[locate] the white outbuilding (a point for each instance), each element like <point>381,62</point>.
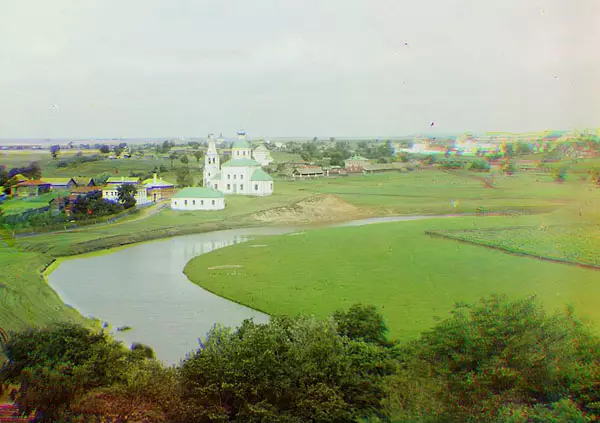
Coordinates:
<point>198,199</point>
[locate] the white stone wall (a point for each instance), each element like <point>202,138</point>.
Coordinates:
<point>197,203</point>
<point>236,180</point>
<point>264,188</point>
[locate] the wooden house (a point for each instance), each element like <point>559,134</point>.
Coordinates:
<point>31,188</point>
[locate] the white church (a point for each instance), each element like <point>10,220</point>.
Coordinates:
<point>241,175</point>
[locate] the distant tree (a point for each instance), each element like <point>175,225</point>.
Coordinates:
<point>523,148</point>
<point>122,145</point>
<point>198,155</point>
<point>509,167</point>
<point>183,176</point>
<point>194,144</point>
<point>118,150</point>
<point>479,165</point>
<point>559,174</point>
<point>3,176</point>
<point>126,193</point>
<point>184,159</point>
<point>173,157</point>
<point>54,150</point>
<point>163,169</point>
<point>104,149</point>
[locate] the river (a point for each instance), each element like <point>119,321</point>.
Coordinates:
<point>144,287</point>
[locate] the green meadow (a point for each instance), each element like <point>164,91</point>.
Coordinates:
<point>414,279</point>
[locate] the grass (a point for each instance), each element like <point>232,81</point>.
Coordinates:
<point>25,297</point>
<point>19,205</point>
<point>425,192</point>
<point>412,278</point>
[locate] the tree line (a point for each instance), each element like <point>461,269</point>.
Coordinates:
<point>493,361</point>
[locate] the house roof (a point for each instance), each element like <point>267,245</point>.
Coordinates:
<point>384,166</point>
<point>58,181</point>
<point>308,170</point>
<point>19,177</point>
<point>241,163</point>
<point>198,192</point>
<point>82,180</point>
<point>120,180</point>
<point>85,189</point>
<point>159,183</point>
<point>260,175</point>
<point>360,158</point>
<point>32,183</point>
<point>240,144</point>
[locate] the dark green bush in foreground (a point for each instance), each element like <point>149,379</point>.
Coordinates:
<point>497,361</point>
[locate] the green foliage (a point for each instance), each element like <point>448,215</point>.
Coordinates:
<point>184,159</point>
<point>93,206</point>
<point>126,194</point>
<point>289,370</point>
<point>53,367</point>
<point>559,174</point>
<point>479,165</point>
<point>198,155</point>
<point>500,352</point>
<point>183,177</point>
<point>54,150</point>
<point>104,149</point>
<point>363,323</point>
<point>563,411</point>
<point>508,167</point>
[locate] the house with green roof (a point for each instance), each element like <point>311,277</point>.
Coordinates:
<point>158,189</point>
<point>61,183</point>
<point>242,175</point>
<point>198,198</point>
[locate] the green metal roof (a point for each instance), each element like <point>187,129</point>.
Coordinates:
<point>240,144</point>
<point>118,180</point>
<point>58,181</point>
<point>198,192</point>
<point>159,183</point>
<point>241,162</point>
<point>260,175</point>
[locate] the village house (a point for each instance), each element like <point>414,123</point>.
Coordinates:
<point>82,181</point>
<point>61,183</point>
<point>158,189</point>
<point>32,188</point>
<point>356,163</point>
<point>384,167</point>
<point>240,175</point>
<point>110,191</point>
<point>307,172</point>
<point>198,198</point>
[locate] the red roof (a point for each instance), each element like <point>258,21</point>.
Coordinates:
<point>32,183</point>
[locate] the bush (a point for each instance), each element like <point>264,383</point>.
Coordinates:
<point>479,165</point>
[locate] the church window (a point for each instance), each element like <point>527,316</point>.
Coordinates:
<point>228,176</point>
<point>185,202</point>
<point>234,176</point>
<point>255,187</point>
<point>213,202</point>
<point>216,186</point>
<point>193,202</point>
<point>201,202</point>
<point>271,186</point>
<point>228,187</point>
<point>238,153</point>
<point>242,176</point>
<point>175,202</point>
<point>241,187</point>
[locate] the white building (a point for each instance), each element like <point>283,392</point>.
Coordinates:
<point>198,199</point>
<point>262,155</point>
<point>241,175</point>
<point>110,193</point>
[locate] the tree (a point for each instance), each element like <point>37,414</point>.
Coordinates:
<point>362,322</point>
<point>126,193</point>
<point>173,157</point>
<point>523,148</point>
<point>499,353</point>
<point>288,370</point>
<point>198,155</point>
<point>53,367</point>
<point>104,149</point>
<point>559,174</point>
<point>509,167</point>
<point>54,150</point>
<point>183,177</point>
<point>118,150</point>
<point>184,159</point>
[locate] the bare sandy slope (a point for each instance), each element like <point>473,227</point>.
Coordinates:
<point>319,208</point>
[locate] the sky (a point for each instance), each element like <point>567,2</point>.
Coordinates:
<point>284,68</point>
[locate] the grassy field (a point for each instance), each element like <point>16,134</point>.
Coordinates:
<point>412,278</point>
<point>19,205</point>
<point>25,297</point>
<point>424,192</point>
